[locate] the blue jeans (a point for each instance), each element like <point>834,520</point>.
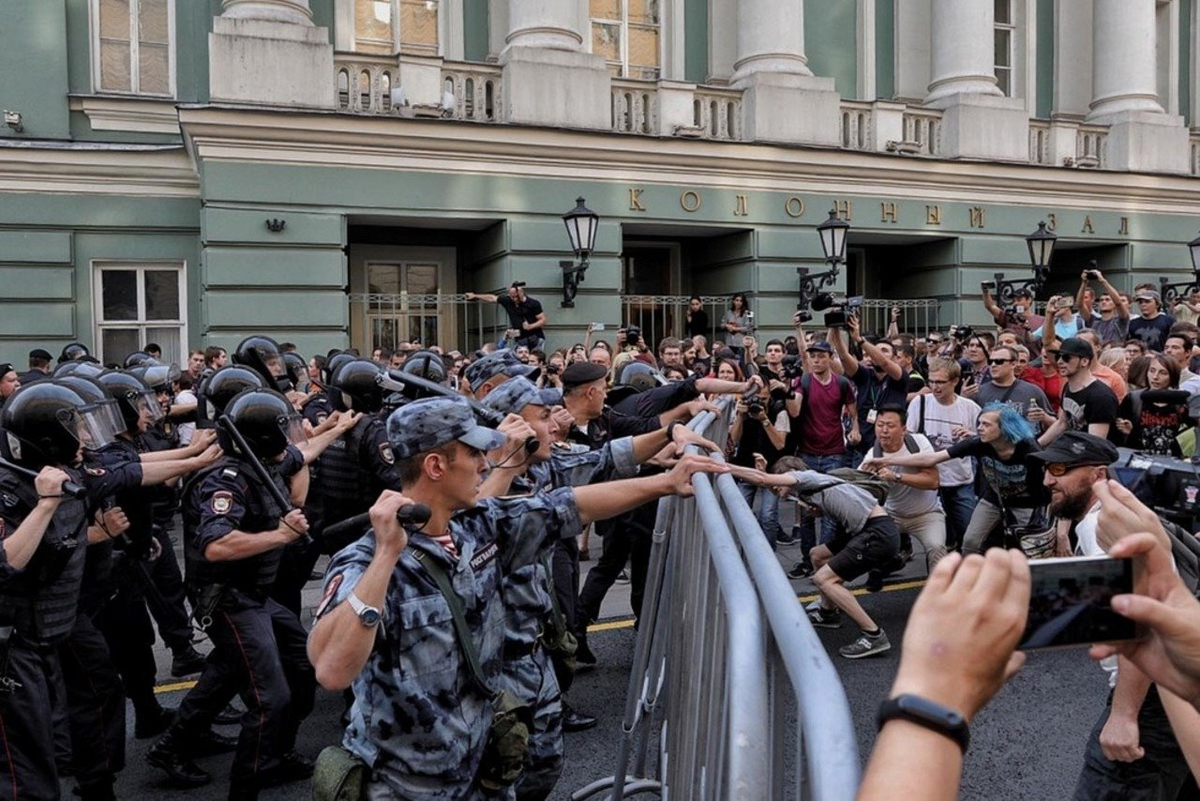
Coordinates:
<point>768,512</point>
<point>958,503</point>
<point>808,532</point>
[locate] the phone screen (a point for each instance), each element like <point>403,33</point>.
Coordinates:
<point>1071,602</point>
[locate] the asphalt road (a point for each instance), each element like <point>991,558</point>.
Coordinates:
<point>1027,744</point>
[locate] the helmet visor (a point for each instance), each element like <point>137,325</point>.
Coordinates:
<point>96,424</point>
<point>293,426</point>
<point>147,404</point>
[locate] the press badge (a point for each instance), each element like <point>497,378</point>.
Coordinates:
<point>871,417</point>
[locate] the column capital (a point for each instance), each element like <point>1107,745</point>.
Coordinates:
<point>296,12</point>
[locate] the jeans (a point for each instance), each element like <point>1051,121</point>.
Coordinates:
<point>768,511</point>
<point>958,503</point>
<point>808,537</point>
<point>986,527</point>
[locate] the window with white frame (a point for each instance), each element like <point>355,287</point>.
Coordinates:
<point>136,304</point>
<point>1005,37</point>
<point>133,46</point>
<point>627,34</point>
<point>386,27</point>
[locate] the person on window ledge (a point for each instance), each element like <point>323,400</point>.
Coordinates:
<point>526,319</point>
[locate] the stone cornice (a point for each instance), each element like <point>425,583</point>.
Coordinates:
<point>136,114</point>
<point>249,134</point>
<point>55,168</point>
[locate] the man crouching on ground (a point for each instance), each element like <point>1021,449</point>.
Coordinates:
<point>867,539</point>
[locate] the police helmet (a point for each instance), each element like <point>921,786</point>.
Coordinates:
<point>139,358</point>
<point>87,369</point>
<point>356,387</point>
<point>223,386</point>
<point>73,352</point>
<point>133,397</point>
<point>640,376</point>
<point>266,421</point>
<point>262,355</point>
<point>296,367</point>
<point>425,364</point>
<point>42,425</point>
<point>334,362</point>
<point>100,413</point>
<point>159,377</point>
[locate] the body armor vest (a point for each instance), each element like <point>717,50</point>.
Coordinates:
<point>41,601</point>
<point>342,478</point>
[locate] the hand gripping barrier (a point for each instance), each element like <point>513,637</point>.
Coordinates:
<point>722,658</point>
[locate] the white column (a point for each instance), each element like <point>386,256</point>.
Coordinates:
<point>963,58</point>
<point>770,38</point>
<point>1124,72</point>
<point>550,24</point>
<point>294,11</point>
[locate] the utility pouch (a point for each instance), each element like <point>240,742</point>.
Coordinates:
<point>339,776</point>
<point>7,684</point>
<point>508,735</point>
<point>207,599</point>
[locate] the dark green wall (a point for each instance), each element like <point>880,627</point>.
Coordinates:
<point>831,42</point>
<point>1045,59</point>
<point>695,34</point>
<point>885,50</point>
<point>33,67</point>
<point>1185,62</point>
<point>475,30</point>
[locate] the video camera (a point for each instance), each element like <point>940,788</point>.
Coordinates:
<point>837,308</point>
<point>1169,486</point>
<point>962,332</point>
<point>792,366</point>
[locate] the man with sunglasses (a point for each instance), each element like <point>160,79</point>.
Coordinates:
<point>1006,388</point>
<point>1087,404</point>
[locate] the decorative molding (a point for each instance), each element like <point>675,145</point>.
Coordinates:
<point>98,170</point>
<point>140,115</point>
<point>257,136</point>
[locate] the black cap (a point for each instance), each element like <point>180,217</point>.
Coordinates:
<point>39,353</point>
<point>6,368</point>
<point>581,373</point>
<point>1078,448</point>
<point>1074,346</point>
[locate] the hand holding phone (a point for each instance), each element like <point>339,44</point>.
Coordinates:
<point>1071,602</point>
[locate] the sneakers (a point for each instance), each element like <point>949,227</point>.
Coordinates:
<point>789,538</point>
<point>800,570</point>
<point>623,577</point>
<point>825,618</point>
<point>866,645</point>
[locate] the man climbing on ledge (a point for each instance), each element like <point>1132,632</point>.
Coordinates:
<point>867,540</point>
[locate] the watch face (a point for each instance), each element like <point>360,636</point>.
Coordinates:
<point>369,617</point>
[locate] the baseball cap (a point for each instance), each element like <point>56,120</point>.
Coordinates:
<point>1074,346</point>
<point>1148,294</point>
<point>501,362</point>
<point>1078,448</point>
<point>820,346</point>
<point>429,423</point>
<point>580,373</point>
<point>513,396</point>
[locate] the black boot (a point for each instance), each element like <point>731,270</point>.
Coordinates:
<point>152,722</point>
<point>210,742</point>
<point>168,755</point>
<point>293,767</point>
<point>187,662</point>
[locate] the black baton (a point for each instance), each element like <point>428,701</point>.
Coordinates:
<point>68,487</point>
<point>260,472</point>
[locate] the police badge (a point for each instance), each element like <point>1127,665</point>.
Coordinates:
<point>222,502</point>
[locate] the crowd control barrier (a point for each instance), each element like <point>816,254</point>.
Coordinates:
<point>731,695</point>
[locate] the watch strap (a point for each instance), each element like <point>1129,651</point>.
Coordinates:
<point>928,714</point>
<point>359,606</point>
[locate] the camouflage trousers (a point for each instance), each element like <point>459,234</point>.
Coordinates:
<point>531,679</point>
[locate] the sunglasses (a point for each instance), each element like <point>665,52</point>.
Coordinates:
<point>1058,469</point>
<point>1063,357</point>
<point>998,361</point>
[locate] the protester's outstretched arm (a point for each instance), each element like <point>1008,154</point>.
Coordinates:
<point>958,652</point>
<point>990,304</point>
<point>890,365</point>
<point>849,363</point>
<point>481,296</point>
<point>1170,653</point>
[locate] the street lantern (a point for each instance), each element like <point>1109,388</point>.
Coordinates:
<point>833,238</point>
<point>582,224</point>
<point>1170,293</point>
<point>1041,247</point>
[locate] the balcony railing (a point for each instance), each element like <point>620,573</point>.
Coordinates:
<point>717,113</point>
<point>856,125</point>
<point>364,83</point>
<point>475,89</point>
<point>923,127</point>
<point>1091,146</point>
<point>634,106</point>
<point>1039,142</point>
<point>1195,151</point>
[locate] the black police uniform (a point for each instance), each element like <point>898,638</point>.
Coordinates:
<point>259,642</point>
<point>346,479</point>
<point>39,604</point>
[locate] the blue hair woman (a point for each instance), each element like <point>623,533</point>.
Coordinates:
<point>1013,489</point>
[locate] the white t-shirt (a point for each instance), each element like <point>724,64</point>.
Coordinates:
<point>906,501</point>
<point>186,430</point>
<point>940,422</point>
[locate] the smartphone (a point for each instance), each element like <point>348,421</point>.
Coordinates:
<point>597,326</point>
<point>1071,602</point>
<point>749,315</point>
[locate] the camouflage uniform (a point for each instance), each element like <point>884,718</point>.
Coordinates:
<point>417,720</point>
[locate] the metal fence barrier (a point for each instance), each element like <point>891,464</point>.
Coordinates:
<point>724,662</point>
<point>661,316</point>
<point>917,317</point>
<point>452,321</point>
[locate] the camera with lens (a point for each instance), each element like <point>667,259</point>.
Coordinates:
<point>551,368</point>
<point>963,333</point>
<point>754,407</point>
<point>837,307</point>
<point>1169,486</point>
<point>633,335</point>
<point>792,367</point>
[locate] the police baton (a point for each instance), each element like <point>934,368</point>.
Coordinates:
<point>264,478</point>
<point>410,515</point>
<point>70,488</point>
<point>399,381</point>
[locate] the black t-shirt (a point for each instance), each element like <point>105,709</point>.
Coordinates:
<point>874,390</point>
<point>518,313</point>
<point>1017,479</point>
<point>1157,416</point>
<point>1095,403</point>
<point>1151,331</point>
<point>698,325</point>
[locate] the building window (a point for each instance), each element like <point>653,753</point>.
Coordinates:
<point>136,304</point>
<point>385,27</point>
<point>134,46</point>
<point>1005,35</point>
<point>403,304</point>
<point>626,33</point>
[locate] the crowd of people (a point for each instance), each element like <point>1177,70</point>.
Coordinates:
<point>453,493</point>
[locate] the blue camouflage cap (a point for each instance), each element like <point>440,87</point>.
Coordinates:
<point>551,396</point>
<point>429,423</point>
<point>502,361</point>
<point>513,396</point>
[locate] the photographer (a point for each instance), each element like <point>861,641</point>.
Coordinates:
<point>1019,318</point>
<point>1111,320</point>
<point>760,428</point>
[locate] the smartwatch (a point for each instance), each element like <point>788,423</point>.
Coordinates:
<point>924,712</point>
<point>671,430</point>
<point>369,616</point>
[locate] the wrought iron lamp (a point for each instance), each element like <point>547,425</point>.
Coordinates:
<point>1041,249</point>
<point>1173,293</point>
<point>582,224</point>
<point>833,243</point>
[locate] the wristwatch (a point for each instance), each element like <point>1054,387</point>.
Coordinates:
<point>929,714</point>
<point>369,616</point>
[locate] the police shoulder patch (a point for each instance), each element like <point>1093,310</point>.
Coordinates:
<point>327,598</point>
<point>222,502</point>
<point>94,471</point>
<point>385,453</point>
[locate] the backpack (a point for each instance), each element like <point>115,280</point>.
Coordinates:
<point>876,486</point>
<point>910,442</point>
<point>842,382</point>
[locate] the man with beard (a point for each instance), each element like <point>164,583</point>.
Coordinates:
<point>1132,751</point>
